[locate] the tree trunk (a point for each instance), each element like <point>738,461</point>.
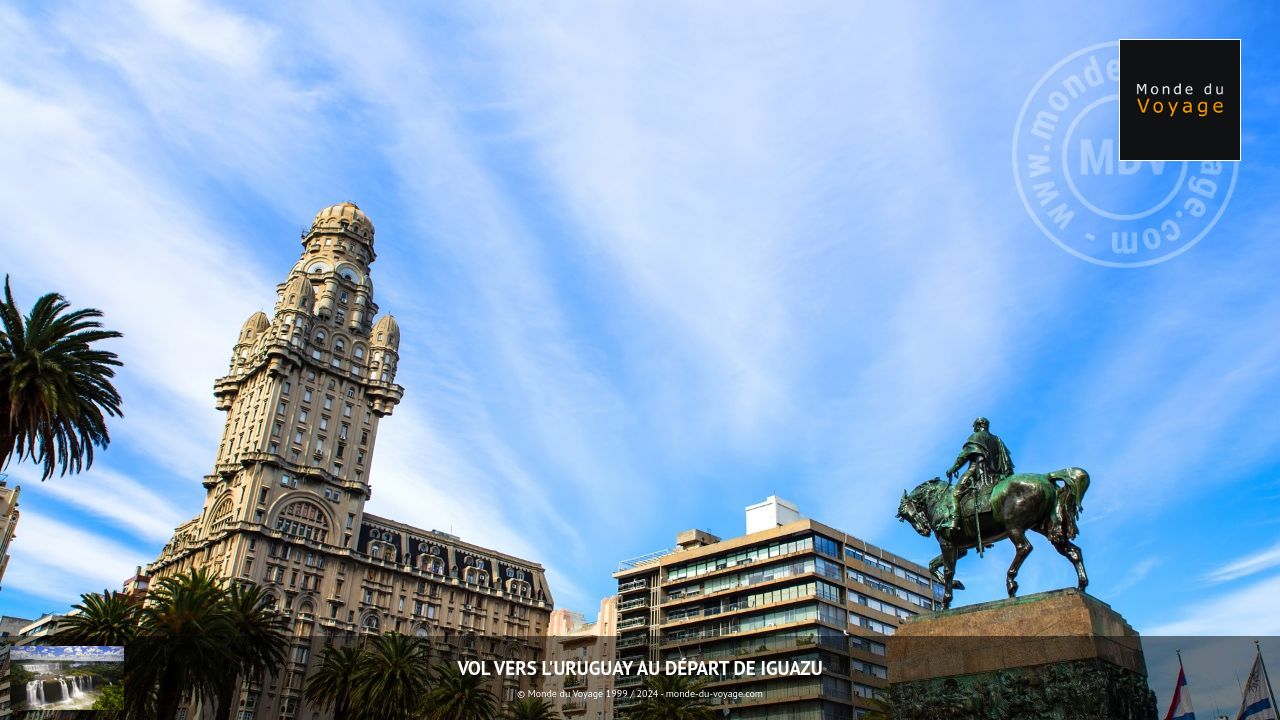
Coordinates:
<point>169,694</point>
<point>226,696</point>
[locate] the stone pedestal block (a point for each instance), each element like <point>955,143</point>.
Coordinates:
<point>1060,655</point>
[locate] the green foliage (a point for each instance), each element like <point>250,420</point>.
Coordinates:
<point>529,709</point>
<point>19,675</point>
<point>110,699</point>
<point>110,618</point>
<point>393,677</point>
<point>672,697</point>
<point>55,386</point>
<point>258,640</point>
<point>194,635</point>
<point>331,686</point>
<point>456,696</point>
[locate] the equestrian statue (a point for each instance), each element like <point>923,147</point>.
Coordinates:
<point>991,503</point>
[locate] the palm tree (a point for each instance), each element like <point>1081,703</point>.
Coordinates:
<point>259,640</point>
<point>330,687</point>
<point>530,709</point>
<point>394,675</point>
<point>182,644</point>
<point>456,696</point>
<point>672,697</point>
<point>55,387</point>
<point>110,618</point>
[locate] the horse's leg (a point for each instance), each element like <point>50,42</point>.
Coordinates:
<point>1069,550</point>
<point>1022,549</point>
<point>935,569</point>
<point>948,572</point>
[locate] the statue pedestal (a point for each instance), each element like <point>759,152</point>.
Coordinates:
<point>1060,655</point>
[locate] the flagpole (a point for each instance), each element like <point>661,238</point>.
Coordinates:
<point>1266,678</point>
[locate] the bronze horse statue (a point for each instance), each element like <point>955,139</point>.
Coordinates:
<point>1021,502</point>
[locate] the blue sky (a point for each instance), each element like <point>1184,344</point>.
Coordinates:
<point>653,262</point>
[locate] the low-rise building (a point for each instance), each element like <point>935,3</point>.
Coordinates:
<point>572,638</point>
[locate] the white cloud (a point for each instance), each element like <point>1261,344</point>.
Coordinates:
<point>59,561</point>
<point>1250,609</point>
<point>111,495</point>
<point>1249,565</point>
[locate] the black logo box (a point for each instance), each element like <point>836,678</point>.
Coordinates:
<point>1160,77</point>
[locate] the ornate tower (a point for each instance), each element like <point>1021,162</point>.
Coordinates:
<point>285,505</point>
<point>304,394</point>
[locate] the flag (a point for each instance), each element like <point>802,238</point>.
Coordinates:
<point>1258,704</point>
<point>1180,708</point>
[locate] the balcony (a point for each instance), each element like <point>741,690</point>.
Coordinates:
<point>641,584</point>
<point>572,707</point>
<point>633,623</point>
<point>641,602</point>
<point>628,680</point>
<point>678,615</point>
<point>575,681</point>
<point>633,642</point>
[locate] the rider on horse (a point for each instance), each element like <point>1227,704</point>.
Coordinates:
<point>989,462</point>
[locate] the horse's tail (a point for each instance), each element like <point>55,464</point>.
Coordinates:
<point>1075,482</point>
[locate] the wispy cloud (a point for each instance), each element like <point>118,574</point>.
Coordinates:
<point>653,263</point>
<point>110,495</point>
<point>1260,561</point>
<point>1248,610</point>
<point>58,561</point>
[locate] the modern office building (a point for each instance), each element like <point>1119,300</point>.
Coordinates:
<point>8,521</point>
<point>37,631</point>
<point>570,637</point>
<point>284,508</point>
<point>791,588</point>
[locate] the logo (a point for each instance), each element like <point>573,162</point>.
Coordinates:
<point>1180,100</point>
<point>1073,184</point>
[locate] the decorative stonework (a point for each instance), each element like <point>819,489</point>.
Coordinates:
<point>306,390</point>
<point>1061,655</point>
<point>1075,690</point>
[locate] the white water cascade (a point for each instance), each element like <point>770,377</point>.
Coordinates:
<point>35,693</point>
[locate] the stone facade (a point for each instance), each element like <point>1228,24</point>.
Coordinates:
<point>305,392</point>
<point>8,521</point>
<point>570,637</point>
<point>1060,655</point>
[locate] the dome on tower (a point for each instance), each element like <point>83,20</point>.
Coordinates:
<point>252,327</point>
<point>344,216</point>
<point>386,333</point>
<point>298,294</point>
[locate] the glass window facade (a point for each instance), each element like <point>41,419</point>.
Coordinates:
<point>741,557</point>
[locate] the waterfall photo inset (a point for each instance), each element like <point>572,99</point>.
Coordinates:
<point>63,677</point>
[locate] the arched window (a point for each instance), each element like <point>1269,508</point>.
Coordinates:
<point>320,337</point>
<point>431,564</point>
<point>358,351</point>
<point>382,551</point>
<point>221,515</point>
<point>339,346</point>
<point>303,519</point>
<point>371,622</point>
